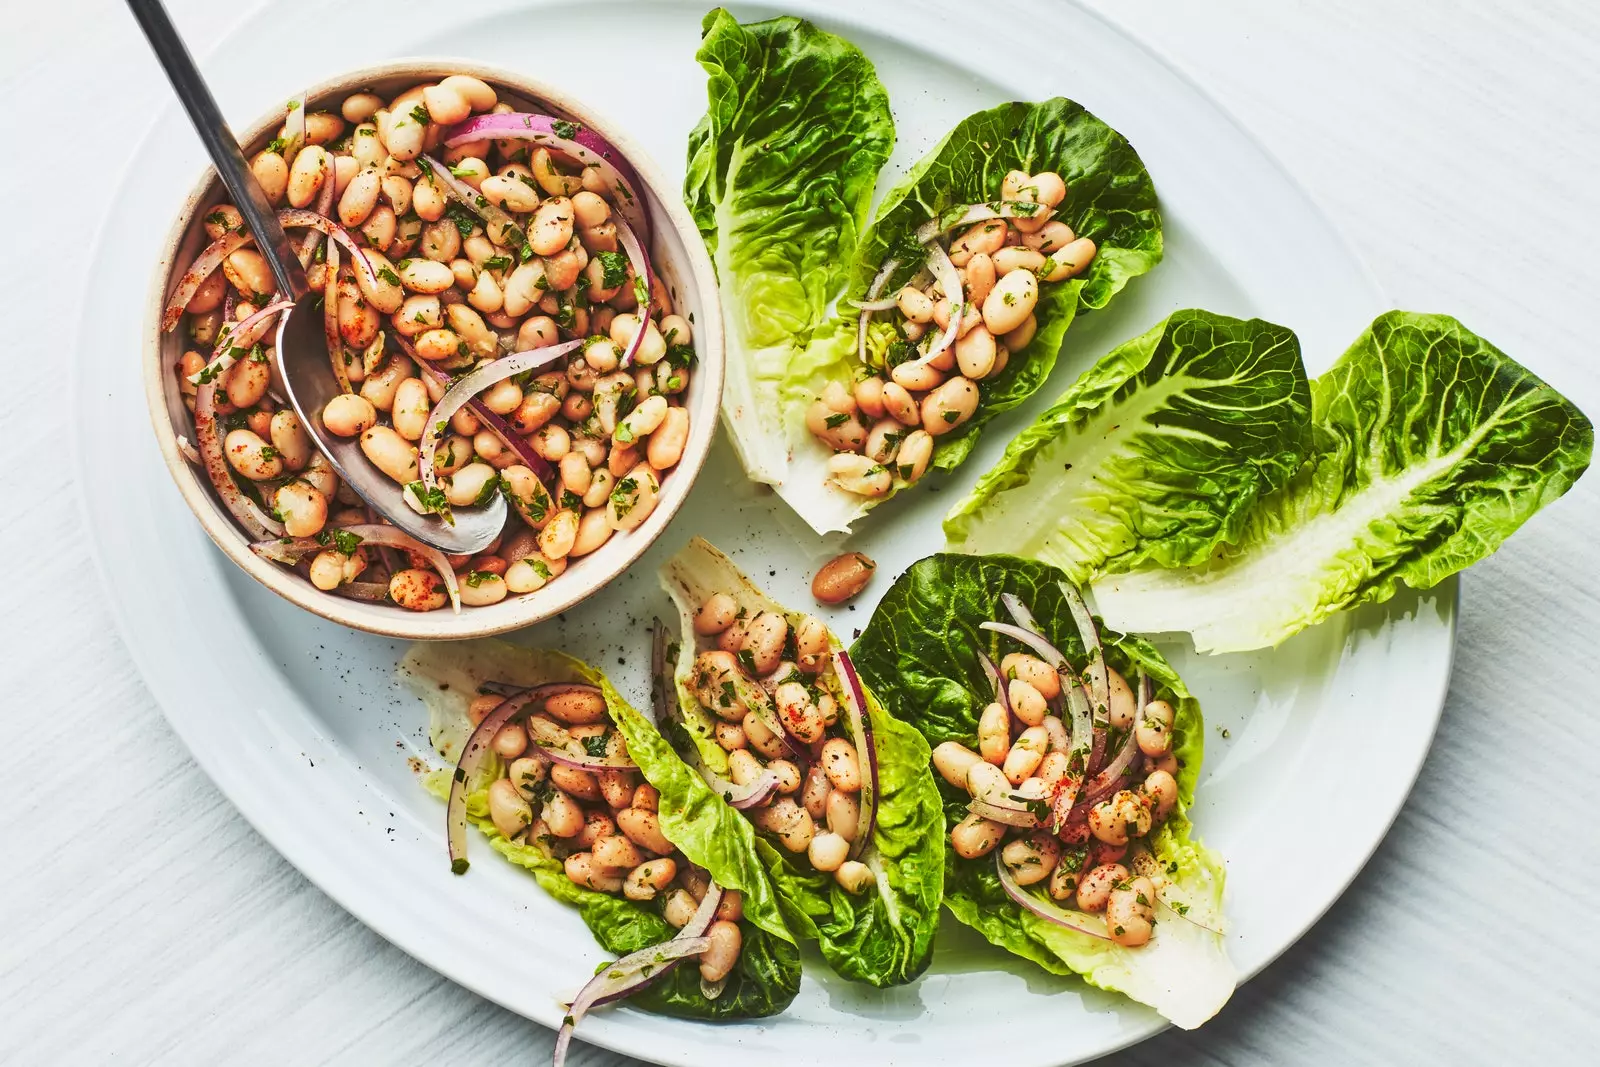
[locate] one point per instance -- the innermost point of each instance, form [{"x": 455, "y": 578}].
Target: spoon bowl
[{"x": 309, "y": 381}]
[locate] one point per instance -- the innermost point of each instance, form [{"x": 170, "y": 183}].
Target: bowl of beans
[{"x": 515, "y": 303}]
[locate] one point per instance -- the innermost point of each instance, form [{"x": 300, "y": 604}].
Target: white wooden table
[{"x": 142, "y": 921}]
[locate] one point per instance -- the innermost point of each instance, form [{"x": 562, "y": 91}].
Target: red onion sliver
[
  {"x": 983, "y": 212},
  {"x": 1047, "y": 910},
  {"x": 330, "y": 317},
  {"x": 1048, "y": 652},
  {"x": 1080, "y": 758},
  {"x": 1099, "y": 684},
  {"x": 472, "y": 754},
  {"x": 394, "y": 537},
  {"x": 866, "y": 751},
  {"x": 239, "y": 338},
  {"x": 585, "y": 763},
  {"x": 286, "y": 550},
  {"x": 186, "y": 448},
  {"x": 457, "y": 396},
  {"x": 209, "y": 259},
  {"x": 257, "y": 523},
  {"x": 324, "y": 207},
  {"x": 501, "y": 429},
  {"x": 358, "y": 257},
  {"x": 1103, "y": 782},
  {"x": 585, "y": 146},
  {"x": 474, "y": 201},
  {"x": 879, "y": 280},
  {"x": 1020, "y": 818},
  {"x": 944, "y": 272},
  {"x": 641, "y": 272}
]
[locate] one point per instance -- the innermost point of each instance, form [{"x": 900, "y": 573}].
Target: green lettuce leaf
[
  {"x": 884, "y": 936},
  {"x": 1110, "y": 198},
  {"x": 1155, "y": 455},
  {"x": 920, "y": 653},
  {"x": 711, "y": 835},
  {"x": 780, "y": 177},
  {"x": 1431, "y": 448}
]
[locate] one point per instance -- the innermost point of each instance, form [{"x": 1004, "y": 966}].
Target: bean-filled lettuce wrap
[
  {"x": 956, "y": 296},
  {"x": 1067, "y": 759},
  {"x": 563, "y": 777},
  {"x": 766, "y": 704}
]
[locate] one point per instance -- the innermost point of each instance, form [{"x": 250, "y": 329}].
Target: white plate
[{"x": 1312, "y": 747}]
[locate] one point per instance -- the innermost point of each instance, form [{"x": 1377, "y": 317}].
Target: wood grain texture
[{"x": 143, "y": 921}]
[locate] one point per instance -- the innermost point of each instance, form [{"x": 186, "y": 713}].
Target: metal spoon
[{"x": 303, "y": 360}]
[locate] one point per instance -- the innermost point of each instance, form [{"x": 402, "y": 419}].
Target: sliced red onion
[
  {"x": 866, "y": 751},
  {"x": 209, "y": 259},
  {"x": 457, "y": 396},
  {"x": 326, "y": 226},
  {"x": 1103, "y": 782},
  {"x": 501, "y": 429},
  {"x": 1099, "y": 684},
  {"x": 992, "y": 669},
  {"x": 286, "y": 550},
  {"x": 467, "y": 765},
  {"x": 1047, "y": 652},
  {"x": 879, "y": 280},
  {"x": 982, "y": 212},
  {"x": 585, "y": 763},
  {"x": 638, "y": 969},
  {"x": 1080, "y": 758},
  {"x": 1047, "y": 910},
  {"x": 584, "y": 145},
  {"x": 642, "y": 279},
  {"x": 881, "y": 304},
  {"x": 330, "y": 317},
  {"x": 257, "y": 523},
  {"x": 944, "y": 272},
  {"x": 187, "y": 450},
  {"x": 390, "y": 535},
  {"x": 238, "y": 339},
  {"x": 1018, "y": 817},
  {"x": 324, "y": 207},
  {"x": 475, "y": 202}
]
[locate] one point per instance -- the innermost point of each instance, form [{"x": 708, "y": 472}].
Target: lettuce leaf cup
[
  {"x": 1023, "y": 216},
  {"x": 537, "y": 736},
  {"x": 766, "y": 704},
  {"x": 1068, "y": 757}
]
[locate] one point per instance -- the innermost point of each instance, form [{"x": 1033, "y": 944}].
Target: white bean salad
[
  {"x": 1025, "y": 755},
  {"x": 449, "y": 232},
  {"x": 776, "y": 694},
  {"x": 601, "y": 822},
  {"x": 960, "y": 319}
]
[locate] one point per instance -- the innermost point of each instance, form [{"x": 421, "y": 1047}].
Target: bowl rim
[{"x": 388, "y": 620}]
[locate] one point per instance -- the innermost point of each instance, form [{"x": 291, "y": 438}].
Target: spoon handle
[{"x": 224, "y": 150}]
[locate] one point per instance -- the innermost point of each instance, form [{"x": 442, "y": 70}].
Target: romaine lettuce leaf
[
  {"x": 883, "y": 936},
  {"x": 920, "y": 654},
  {"x": 780, "y": 177},
  {"x": 1432, "y": 447},
  {"x": 1109, "y": 197},
  {"x": 446, "y": 676},
  {"x": 1155, "y": 455}
]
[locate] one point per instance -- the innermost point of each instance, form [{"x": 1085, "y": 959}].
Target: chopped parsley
[
  {"x": 486, "y": 494},
  {"x": 388, "y": 275},
  {"x": 465, "y": 220},
  {"x": 613, "y": 269},
  {"x": 624, "y": 496},
  {"x": 432, "y": 501},
  {"x": 420, "y": 114},
  {"x": 497, "y": 263},
  {"x": 563, "y": 128},
  {"x": 342, "y": 540},
  {"x": 595, "y": 745},
  {"x": 837, "y": 419}
]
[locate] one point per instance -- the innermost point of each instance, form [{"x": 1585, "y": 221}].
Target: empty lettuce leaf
[
  {"x": 780, "y": 178},
  {"x": 1431, "y": 448},
  {"x": 1155, "y": 455}
]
